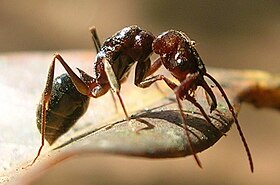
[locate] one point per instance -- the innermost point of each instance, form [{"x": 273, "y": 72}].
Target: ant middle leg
[
  {"x": 154, "y": 67},
  {"x": 144, "y": 70},
  {"x": 45, "y": 102}
]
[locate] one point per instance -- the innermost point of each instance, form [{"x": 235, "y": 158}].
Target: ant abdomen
[{"x": 65, "y": 107}]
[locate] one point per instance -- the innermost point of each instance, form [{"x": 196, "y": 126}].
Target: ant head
[
  {"x": 166, "y": 42},
  {"x": 172, "y": 41},
  {"x": 178, "y": 53}
]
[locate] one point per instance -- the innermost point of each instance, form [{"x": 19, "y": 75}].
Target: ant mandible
[{"x": 68, "y": 100}]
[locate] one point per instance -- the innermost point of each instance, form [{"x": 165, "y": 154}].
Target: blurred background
[
  {"x": 236, "y": 34},
  {"x": 230, "y": 34}
]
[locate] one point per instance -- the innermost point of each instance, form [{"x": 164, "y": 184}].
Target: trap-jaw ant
[{"x": 66, "y": 101}]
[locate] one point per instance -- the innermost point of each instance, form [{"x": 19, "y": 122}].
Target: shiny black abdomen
[{"x": 66, "y": 106}]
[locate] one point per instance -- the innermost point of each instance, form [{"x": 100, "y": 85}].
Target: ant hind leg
[
  {"x": 115, "y": 86},
  {"x": 97, "y": 45},
  {"x": 79, "y": 84},
  {"x": 45, "y": 101}
]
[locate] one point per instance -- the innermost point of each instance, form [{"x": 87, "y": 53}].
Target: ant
[{"x": 62, "y": 105}]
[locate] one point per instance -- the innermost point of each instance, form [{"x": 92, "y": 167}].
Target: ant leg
[
  {"x": 147, "y": 82},
  {"x": 235, "y": 120},
  {"x": 97, "y": 45},
  {"x": 195, "y": 103},
  {"x": 95, "y": 38},
  {"x": 45, "y": 101},
  {"x": 141, "y": 70},
  {"x": 186, "y": 84},
  {"x": 209, "y": 91},
  {"x": 154, "y": 67},
  {"x": 185, "y": 87},
  {"x": 144, "y": 69},
  {"x": 79, "y": 84},
  {"x": 187, "y": 131},
  {"x": 114, "y": 83}
]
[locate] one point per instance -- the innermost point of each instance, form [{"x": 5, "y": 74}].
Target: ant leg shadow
[{"x": 148, "y": 125}]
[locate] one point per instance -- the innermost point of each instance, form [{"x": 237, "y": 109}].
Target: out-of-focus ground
[{"x": 230, "y": 34}]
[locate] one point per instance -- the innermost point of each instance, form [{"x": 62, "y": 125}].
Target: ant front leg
[
  {"x": 147, "y": 82},
  {"x": 182, "y": 91},
  {"x": 179, "y": 92},
  {"x": 209, "y": 91}
]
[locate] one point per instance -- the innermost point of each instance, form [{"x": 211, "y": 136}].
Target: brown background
[
  {"x": 231, "y": 34},
  {"x": 236, "y": 34}
]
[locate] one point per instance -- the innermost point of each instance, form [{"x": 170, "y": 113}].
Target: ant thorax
[{"x": 122, "y": 50}]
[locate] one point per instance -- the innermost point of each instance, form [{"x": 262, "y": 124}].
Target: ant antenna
[{"x": 235, "y": 120}]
